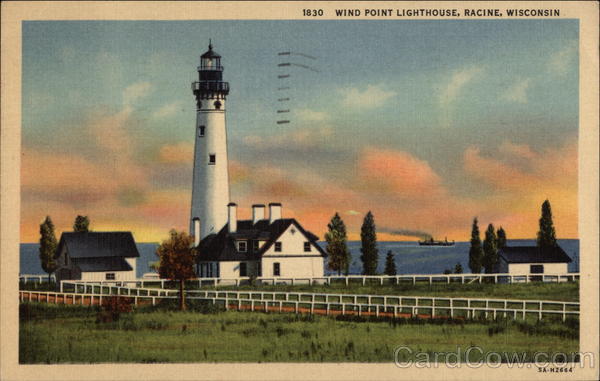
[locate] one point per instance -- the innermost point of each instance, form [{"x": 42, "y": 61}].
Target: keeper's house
[
  {"x": 523, "y": 260},
  {"x": 96, "y": 256},
  {"x": 260, "y": 247}
]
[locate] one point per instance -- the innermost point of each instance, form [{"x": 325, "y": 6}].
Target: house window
[
  {"x": 110, "y": 276},
  {"x": 201, "y": 130},
  {"x": 306, "y": 246},
  {"x": 276, "y": 269},
  {"x": 278, "y": 246},
  {"x": 255, "y": 245},
  {"x": 536, "y": 269},
  {"x": 243, "y": 269},
  {"x": 212, "y": 159},
  {"x": 242, "y": 246}
]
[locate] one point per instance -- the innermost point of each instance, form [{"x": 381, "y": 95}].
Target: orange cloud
[
  {"x": 179, "y": 153},
  {"x": 398, "y": 173}
]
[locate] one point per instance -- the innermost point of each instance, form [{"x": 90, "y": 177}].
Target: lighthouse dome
[{"x": 210, "y": 53}]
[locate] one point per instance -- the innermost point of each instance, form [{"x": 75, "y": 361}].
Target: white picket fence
[
  {"x": 392, "y": 305},
  {"x": 357, "y": 279}
]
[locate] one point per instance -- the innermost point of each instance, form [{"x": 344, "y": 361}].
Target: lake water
[{"x": 410, "y": 258}]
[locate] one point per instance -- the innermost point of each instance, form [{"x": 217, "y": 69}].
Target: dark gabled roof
[
  {"x": 221, "y": 246},
  {"x": 98, "y": 244},
  {"x": 102, "y": 264},
  {"x": 533, "y": 254}
]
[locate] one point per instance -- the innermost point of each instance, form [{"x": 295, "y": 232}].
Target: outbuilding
[
  {"x": 96, "y": 256},
  {"x": 525, "y": 260}
]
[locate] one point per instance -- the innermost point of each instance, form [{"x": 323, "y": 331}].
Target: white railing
[
  {"x": 389, "y": 305},
  {"x": 348, "y": 279},
  {"x": 25, "y": 278},
  {"x": 487, "y": 305}
]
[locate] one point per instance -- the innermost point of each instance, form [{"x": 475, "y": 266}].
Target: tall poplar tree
[
  {"x": 390, "y": 264},
  {"x": 546, "y": 236},
  {"x": 368, "y": 238},
  {"x": 337, "y": 248},
  {"x": 490, "y": 250},
  {"x": 48, "y": 246},
  {"x": 476, "y": 251},
  {"x": 500, "y": 238},
  {"x": 81, "y": 224}
]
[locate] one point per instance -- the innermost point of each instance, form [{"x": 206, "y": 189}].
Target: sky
[{"x": 427, "y": 124}]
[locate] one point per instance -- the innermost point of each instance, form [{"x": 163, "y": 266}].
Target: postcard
[{"x": 299, "y": 190}]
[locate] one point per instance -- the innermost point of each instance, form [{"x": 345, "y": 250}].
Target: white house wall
[
  {"x": 293, "y": 267},
  {"x": 101, "y": 275},
  {"x": 292, "y": 244},
  {"x": 549, "y": 268}
]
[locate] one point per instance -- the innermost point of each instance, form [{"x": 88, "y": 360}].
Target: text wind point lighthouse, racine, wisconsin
[{"x": 210, "y": 188}]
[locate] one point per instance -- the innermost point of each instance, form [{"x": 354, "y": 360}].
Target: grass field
[{"x": 70, "y": 334}]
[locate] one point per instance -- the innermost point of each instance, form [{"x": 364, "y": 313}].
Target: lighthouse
[{"x": 210, "y": 186}]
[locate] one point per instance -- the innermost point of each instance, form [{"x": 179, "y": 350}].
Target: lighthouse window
[
  {"x": 212, "y": 159},
  {"x": 201, "y": 130},
  {"x": 218, "y": 105}
]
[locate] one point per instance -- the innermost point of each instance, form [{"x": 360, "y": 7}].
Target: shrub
[{"x": 112, "y": 307}]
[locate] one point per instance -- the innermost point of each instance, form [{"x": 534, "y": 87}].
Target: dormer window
[{"x": 242, "y": 246}]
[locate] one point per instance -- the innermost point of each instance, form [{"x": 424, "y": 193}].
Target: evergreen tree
[
  {"x": 490, "y": 250},
  {"x": 81, "y": 224},
  {"x": 368, "y": 238},
  {"x": 476, "y": 251},
  {"x": 546, "y": 237},
  {"x": 390, "y": 264},
  {"x": 177, "y": 259},
  {"x": 48, "y": 246},
  {"x": 337, "y": 248},
  {"x": 458, "y": 268},
  {"x": 501, "y": 238}
]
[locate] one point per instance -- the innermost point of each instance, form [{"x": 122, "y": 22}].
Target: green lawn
[{"x": 70, "y": 334}]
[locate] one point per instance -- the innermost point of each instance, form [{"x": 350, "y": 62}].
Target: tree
[
  {"x": 337, "y": 248},
  {"x": 490, "y": 250},
  {"x": 447, "y": 271},
  {"x": 475, "y": 252},
  {"x": 177, "y": 259},
  {"x": 501, "y": 238},
  {"x": 48, "y": 246},
  {"x": 81, "y": 224},
  {"x": 368, "y": 238},
  {"x": 390, "y": 264},
  {"x": 458, "y": 268},
  {"x": 546, "y": 237}
]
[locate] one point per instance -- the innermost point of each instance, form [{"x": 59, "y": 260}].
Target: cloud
[
  {"x": 352, "y": 213},
  {"x": 178, "y": 153},
  {"x": 517, "y": 92},
  {"x": 136, "y": 91},
  {"x": 458, "y": 81},
  {"x": 311, "y": 115},
  {"x": 167, "y": 110},
  {"x": 398, "y": 173},
  {"x": 296, "y": 138},
  {"x": 562, "y": 60},
  {"x": 372, "y": 96}
]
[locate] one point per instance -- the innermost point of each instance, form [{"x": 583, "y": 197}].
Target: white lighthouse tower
[{"x": 210, "y": 187}]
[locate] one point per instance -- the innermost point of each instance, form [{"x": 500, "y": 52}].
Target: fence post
[
  {"x": 346, "y": 277},
  {"x": 564, "y": 311},
  {"x": 381, "y": 279},
  {"x": 452, "y": 307}
]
